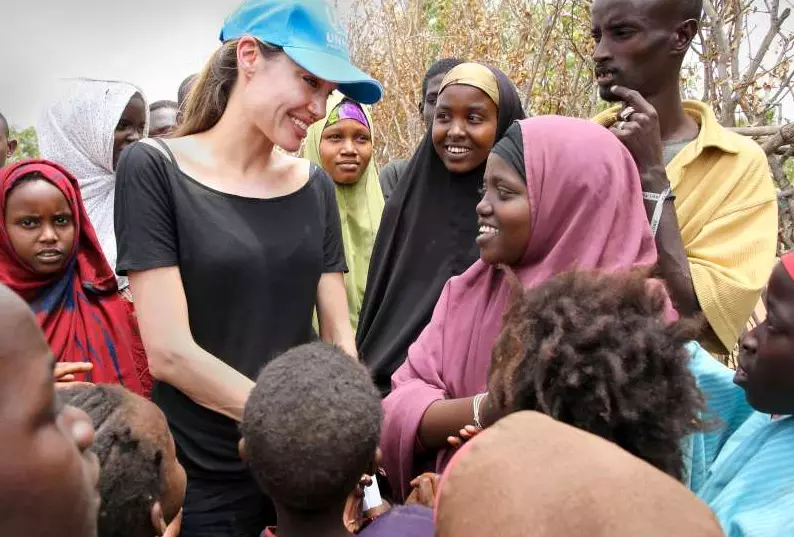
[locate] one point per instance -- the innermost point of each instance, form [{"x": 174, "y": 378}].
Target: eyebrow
[{"x": 773, "y": 310}]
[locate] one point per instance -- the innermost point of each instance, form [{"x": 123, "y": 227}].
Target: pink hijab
[{"x": 587, "y": 213}]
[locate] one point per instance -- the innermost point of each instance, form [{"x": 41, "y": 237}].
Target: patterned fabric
[
  {"x": 77, "y": 132},
  {"x": 347, "y": 110},
  {"x": 80, "y": 311}
]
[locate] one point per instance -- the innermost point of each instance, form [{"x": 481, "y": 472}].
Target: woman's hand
[
  {"x": 464, "y": 435},
  {"x": 425, "y": 488},
  {"x": 66, "y": 371}
]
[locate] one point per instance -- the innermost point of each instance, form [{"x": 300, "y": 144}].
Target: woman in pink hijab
[{"x": 559, "y": 194}]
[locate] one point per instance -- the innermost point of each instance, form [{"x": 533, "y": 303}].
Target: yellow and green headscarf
[{"x": 360, "y": 204}]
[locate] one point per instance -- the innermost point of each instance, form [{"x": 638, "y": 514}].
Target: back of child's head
[
  {"x": 132, "y": 456},
  {"x": 532, "y": 475},
  {"x": 311, "y": 427},
  {"x": 595, "y": 351},
  {"x": 439, "y": 67}
]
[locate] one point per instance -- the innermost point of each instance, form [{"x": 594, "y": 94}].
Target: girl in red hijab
[{"x": 50, "y": 256}]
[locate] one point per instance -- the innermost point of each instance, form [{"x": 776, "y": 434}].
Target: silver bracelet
[
  {"x": 657, "y": 211},
  {"x": 475, "y": 408}
]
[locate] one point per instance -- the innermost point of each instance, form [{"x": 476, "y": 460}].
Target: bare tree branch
[
  {"x": 724, "y": 55},
  {"x": 775, "y": 22},
  {"x": 785, "y": 135}
]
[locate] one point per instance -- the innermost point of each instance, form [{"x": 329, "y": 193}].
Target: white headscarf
[{"x": 77, "y": 131}]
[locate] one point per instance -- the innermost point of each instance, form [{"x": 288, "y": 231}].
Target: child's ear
[
  {"x": 158, "y": 520},
  {"x": 241, "y": 449}
]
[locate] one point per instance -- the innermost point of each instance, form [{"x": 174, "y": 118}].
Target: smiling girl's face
[
  {"x": 503, "y": 214},
  {"x": 464, "y": 129}
]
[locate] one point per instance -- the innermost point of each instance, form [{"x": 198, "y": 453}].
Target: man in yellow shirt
[{"x": 709, "y": 193}]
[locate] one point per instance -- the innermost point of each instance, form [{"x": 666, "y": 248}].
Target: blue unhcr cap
[{"x": 311, "y": 34}]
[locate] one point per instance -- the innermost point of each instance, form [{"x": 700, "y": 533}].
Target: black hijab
[{"x": 427, "y": 235}]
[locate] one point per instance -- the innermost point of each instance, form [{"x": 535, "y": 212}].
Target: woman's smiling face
[
  {"x": 464, "y": 129},
  {"x": 503, "y": 214}
]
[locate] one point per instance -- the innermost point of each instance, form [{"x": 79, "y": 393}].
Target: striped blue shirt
[{"x": 743, "y": 468}]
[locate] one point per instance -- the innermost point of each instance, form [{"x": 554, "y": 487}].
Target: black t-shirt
[{"x": 250, "y": 268}]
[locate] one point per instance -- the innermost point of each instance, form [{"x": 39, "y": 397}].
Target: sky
[{"x": 154, "y": 44}]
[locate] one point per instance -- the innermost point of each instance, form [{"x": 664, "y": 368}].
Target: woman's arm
[
  {"x": 332, "y": 313},
  {"x": 444, "y": 419},
  {"x": 174, "y": 357}
]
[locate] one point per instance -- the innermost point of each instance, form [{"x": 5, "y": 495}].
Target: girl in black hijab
[{"x": 428, "y": 230}]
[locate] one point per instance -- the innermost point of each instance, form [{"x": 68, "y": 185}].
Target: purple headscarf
[{"x": 347, "y": 109}]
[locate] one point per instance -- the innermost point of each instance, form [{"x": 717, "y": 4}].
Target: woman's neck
[{"x": 238, "y": 145}]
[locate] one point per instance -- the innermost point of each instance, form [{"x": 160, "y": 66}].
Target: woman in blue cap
[{"x": 230, "y": 244}]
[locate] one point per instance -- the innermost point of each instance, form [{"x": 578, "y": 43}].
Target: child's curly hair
[
  {"x": 131, "y": 466},
  {"x": 594, "y": 351}
]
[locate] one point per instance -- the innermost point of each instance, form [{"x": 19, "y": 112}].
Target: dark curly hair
[
  {"x": 311, "y": 426},
  {"x": 594, "y": 351},
  {"x": 690, "y": 9},
  {"x": 131, "y": 477}
]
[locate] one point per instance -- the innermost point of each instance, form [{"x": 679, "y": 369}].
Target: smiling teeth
[
  {"x": 457, "y": 150},
  {"x": 488, "y": 229},
  {"x": 299, "y": 123}
]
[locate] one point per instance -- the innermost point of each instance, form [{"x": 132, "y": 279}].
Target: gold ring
[{"x": 620, "y": 125}]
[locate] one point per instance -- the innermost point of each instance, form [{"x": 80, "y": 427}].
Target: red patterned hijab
[{"x": 79, "y": 309}]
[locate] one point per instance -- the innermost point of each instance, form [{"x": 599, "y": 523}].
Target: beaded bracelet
[
  {"x": 666, "y": 194},
  {"x": 475, "y": 408}
]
